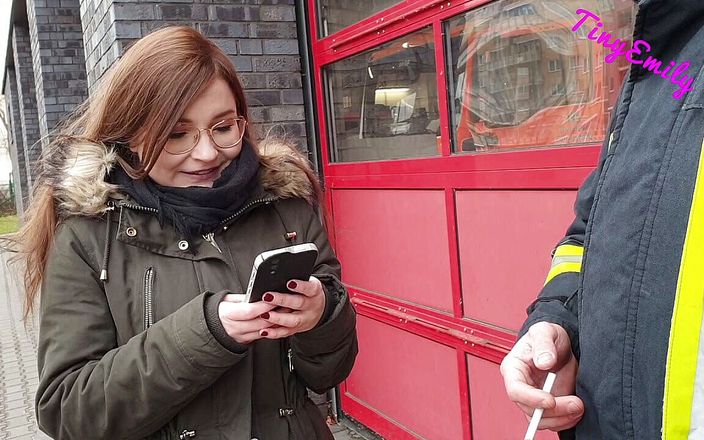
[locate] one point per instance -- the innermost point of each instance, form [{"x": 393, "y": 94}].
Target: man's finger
[
  {"x": 560, "y": 423},
  {"x": 526, "y": 395},
  {"x": 542, "y": 338},
  {"x": 566, "y": 406}
]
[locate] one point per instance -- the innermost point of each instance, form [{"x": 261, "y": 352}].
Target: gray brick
[
  {"x": 133, "y": 11},
  {"x": 242, "y": 63},
  {"x": 277, "y": 13},
  {"x": 228, "y": 45},
  {"x": 259, "y": 114},
  {"x": 281, "y": 47},
  {"x": 273, "y": 30},
  {"x": 250, "y": 47},
  {"x": 262, "y": 97},
  {"x": 230, "y": 13},
  {"x": 277, "y": 64},
  {"x": 181, "y": 12},
  {"x": 253, "y": 80},
  {"x": 293, "y": 96},
  {"x": 224, "y": 29},
  {"x": 283, "y": 81},
  {"x": 128, "y": 29},
  {"x": 292, "y": 129}
]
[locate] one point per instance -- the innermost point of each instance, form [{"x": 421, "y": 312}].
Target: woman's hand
[
  {"x": 546, "y": 347},
  {"x": 299, "y": 312},
  {"x": 242, "y": 321}
]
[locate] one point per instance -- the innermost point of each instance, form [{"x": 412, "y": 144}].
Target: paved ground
[
  {"x": 18, "y": 364},
  {"x": 18, "y": 367}
]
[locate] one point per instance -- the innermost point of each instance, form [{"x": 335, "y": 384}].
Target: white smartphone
[{"x": 273, "y": 269}]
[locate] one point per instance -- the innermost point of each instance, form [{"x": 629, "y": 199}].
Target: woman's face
[{"x": 203, "y": 164}]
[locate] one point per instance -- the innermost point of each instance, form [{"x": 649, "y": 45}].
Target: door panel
[
  {"x": 395, "y": 243},
  {"x": 505, "y": 239},
  {"x": 398, "y": 373}
]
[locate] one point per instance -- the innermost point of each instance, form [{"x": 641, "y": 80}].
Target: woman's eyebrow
[{"x": 218, "y": 116}]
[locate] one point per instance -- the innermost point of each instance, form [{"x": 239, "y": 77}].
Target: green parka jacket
[{"x": 132, "y": 356}]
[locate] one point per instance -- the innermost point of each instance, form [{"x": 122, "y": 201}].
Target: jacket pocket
[{"x": 148, "y": 297}]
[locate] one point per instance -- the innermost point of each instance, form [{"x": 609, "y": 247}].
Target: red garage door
[{"x": 454, "y": 136}]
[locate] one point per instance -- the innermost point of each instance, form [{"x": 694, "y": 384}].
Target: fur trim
[
  {"x": 76, "y": 170},
  {"x": 286, "y": 171}
]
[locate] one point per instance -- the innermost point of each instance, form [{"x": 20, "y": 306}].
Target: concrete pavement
[{"x": 18, "y": 362}]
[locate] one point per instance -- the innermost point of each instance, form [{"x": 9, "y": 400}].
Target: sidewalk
[
  {"x": 18, "y": 363},
  {"x": 18, "y": 367}
]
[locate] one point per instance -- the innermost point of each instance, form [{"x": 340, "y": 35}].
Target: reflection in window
[
  {"x": 384, "y": 101},
  {"x": 336, "y": 15},
  {"x": 520, "y": 78}
]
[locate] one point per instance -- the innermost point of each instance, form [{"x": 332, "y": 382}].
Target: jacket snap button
[
  {"x": 183, "y": 245},
  {"x": 131, "y": 232},
  {"x": 187, "y": 434}
]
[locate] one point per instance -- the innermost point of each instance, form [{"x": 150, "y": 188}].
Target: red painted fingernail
[
  {"x": 265, "y": 315},
  {"x": 268, "y": 297},
  {"x": 264, "y": 333},
  {"x": 291, "y": 285}
]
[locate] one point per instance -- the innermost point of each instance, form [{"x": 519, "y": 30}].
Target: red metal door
[{"x": 454, "y": 136}]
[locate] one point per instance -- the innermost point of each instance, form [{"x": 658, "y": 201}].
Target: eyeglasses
[{"x": 225, "y": 134}]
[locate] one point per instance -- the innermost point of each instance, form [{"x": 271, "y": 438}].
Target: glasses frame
[{"x": 212, "y": 138}]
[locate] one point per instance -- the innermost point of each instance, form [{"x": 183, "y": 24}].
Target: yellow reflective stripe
[
  {"x": 561, "y": 268},
  {"x": 686, "y": 323},
  {"x": 567, "y": 258},
  {"x": 569, "y": 250}
]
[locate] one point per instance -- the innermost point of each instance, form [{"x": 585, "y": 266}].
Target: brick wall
[
  {"x": 58, "y": 60},
  {"x": 259, "y": 36},
  {"x": 19, "y": 169},
  {"x": 26, "y": 98}
]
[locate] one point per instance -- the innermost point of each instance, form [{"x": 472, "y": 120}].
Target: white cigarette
[{"x": 538, "y": 413}]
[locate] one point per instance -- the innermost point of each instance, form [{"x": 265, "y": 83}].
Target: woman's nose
[{"x": 205, "y": 149}]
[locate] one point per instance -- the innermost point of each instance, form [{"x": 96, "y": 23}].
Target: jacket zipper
[
  {"x": 148, "y": 298},
  {"x": 140, "y": 208},
  {"x": 247, "y": 207},
  {"x": 210, "y": 238},
  {"x": 242, "y": 210}
]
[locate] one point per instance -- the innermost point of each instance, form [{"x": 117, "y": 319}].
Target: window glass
[
  {"x": 383, "y": 102},
  {"x": 338, "y": 14},
  {"x": 521, "y": 78}
]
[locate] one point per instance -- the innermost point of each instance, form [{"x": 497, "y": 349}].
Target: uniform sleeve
[
  {"x": 91, "y": 388},
  {"x": 323, "y": 357}
]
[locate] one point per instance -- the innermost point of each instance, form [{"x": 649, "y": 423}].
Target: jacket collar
[{"x": 77, "y": 170}]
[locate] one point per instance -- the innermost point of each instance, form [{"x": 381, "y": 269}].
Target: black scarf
[{"x": 194, "y": 211}]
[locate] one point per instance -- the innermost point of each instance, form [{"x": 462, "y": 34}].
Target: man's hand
[{"x": 546, "y": 347}]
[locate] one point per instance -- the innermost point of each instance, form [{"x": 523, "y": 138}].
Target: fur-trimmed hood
[{"x": 76, "y": 170}]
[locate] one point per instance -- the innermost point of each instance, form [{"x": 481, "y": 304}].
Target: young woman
[{"x": 142, "y": 232}]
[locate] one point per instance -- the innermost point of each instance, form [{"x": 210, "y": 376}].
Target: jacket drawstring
[
  {"x": 288, "y": 234},
  {"x": 106, "y": 253}
]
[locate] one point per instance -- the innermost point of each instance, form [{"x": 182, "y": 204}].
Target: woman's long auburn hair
[{"x": 138, "y": 103}]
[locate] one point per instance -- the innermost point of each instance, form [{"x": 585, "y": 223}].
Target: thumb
[{"x": 543, "y": 337}]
